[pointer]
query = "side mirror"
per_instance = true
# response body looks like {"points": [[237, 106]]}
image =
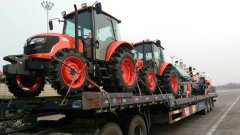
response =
{"points": [[98, 7], [158, 43], [50, 25], [190, 69]]}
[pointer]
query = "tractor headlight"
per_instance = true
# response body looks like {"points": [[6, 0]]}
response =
{"points": [[37, 40]]}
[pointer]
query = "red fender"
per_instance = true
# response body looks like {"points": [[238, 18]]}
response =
{"points": [[113, 46], [162, 67], [139, 64], [208, 83]]}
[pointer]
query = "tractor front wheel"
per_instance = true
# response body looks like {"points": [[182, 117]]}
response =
{"points": [[123, 70], [70, 72], [25, 86]]}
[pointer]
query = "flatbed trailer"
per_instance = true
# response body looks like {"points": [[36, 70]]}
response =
{"points": [[96, 113]]}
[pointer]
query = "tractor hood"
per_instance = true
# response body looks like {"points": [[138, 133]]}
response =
{"points": [[45, 45], [181, 73]]}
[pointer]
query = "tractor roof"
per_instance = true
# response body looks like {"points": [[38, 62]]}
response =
{"points": [[89, 8], [146, 41], [143, 42]]}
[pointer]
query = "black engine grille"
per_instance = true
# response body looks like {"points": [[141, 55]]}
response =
{"points": [[41, 48]]}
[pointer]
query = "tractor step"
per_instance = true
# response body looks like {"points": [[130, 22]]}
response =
{"points": [[106, 77], [102, 68]]}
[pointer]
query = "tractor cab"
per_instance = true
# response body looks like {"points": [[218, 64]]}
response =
{"points": [[149, 57], [97, 30], [150, 53]]}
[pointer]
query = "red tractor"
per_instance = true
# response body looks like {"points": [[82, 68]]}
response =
{"points": [[89, 50], [154, 71], [201, 82], [155, 74]]}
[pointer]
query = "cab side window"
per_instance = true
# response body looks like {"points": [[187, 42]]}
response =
{"points": [[138, 52], [157, 54], [148, 52]]}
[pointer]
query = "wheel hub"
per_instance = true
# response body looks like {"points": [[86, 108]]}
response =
{"points": [[151, 80], [28, 84], [74, 73], [128, 71]]}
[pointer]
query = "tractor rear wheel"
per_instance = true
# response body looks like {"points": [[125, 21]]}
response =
{"points": [[149, 79], [170, 80], [123, 69], [70, 71], [25, 86]]}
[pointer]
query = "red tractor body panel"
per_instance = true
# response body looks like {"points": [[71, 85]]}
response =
{"points": [[162, 67], [139, 64], [64, 42], [113, 46]]}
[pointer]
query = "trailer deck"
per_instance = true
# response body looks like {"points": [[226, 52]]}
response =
{"points": [[97, 102]]}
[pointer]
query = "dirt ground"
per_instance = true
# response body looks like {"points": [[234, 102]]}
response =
{"points": [[48, 91]]}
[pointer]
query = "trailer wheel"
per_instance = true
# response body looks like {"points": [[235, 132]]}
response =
{"points": [[149, 79], [170, 80], [205, 110], [25, 86], [63, 76], [111, 129], [210, 104], [136, 126], [123, 69]]}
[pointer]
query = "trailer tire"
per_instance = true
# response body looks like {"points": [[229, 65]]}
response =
{"points": [[136, 126], [205, 110], [111, 129], [208, 105], [211, 105]]}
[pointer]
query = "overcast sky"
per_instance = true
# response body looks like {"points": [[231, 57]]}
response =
{"points": [[204, 33]]}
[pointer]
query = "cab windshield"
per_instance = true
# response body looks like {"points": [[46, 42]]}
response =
{"points": [[84, 25]]}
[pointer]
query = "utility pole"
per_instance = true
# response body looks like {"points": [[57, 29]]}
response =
{"points": [[47, 6]]}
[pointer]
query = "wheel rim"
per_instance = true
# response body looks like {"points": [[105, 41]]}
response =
{"points": [[137, 131], [174, 82], [128, 71], [69, 75], [28, 84], [151, 80]]}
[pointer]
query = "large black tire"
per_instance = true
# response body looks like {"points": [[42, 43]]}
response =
{"points": [[62, 75], [170, 81], [121, 58], [111, 129], [148, 82], [205, 110], [136, 126], [211, 103], [25, 86]]}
